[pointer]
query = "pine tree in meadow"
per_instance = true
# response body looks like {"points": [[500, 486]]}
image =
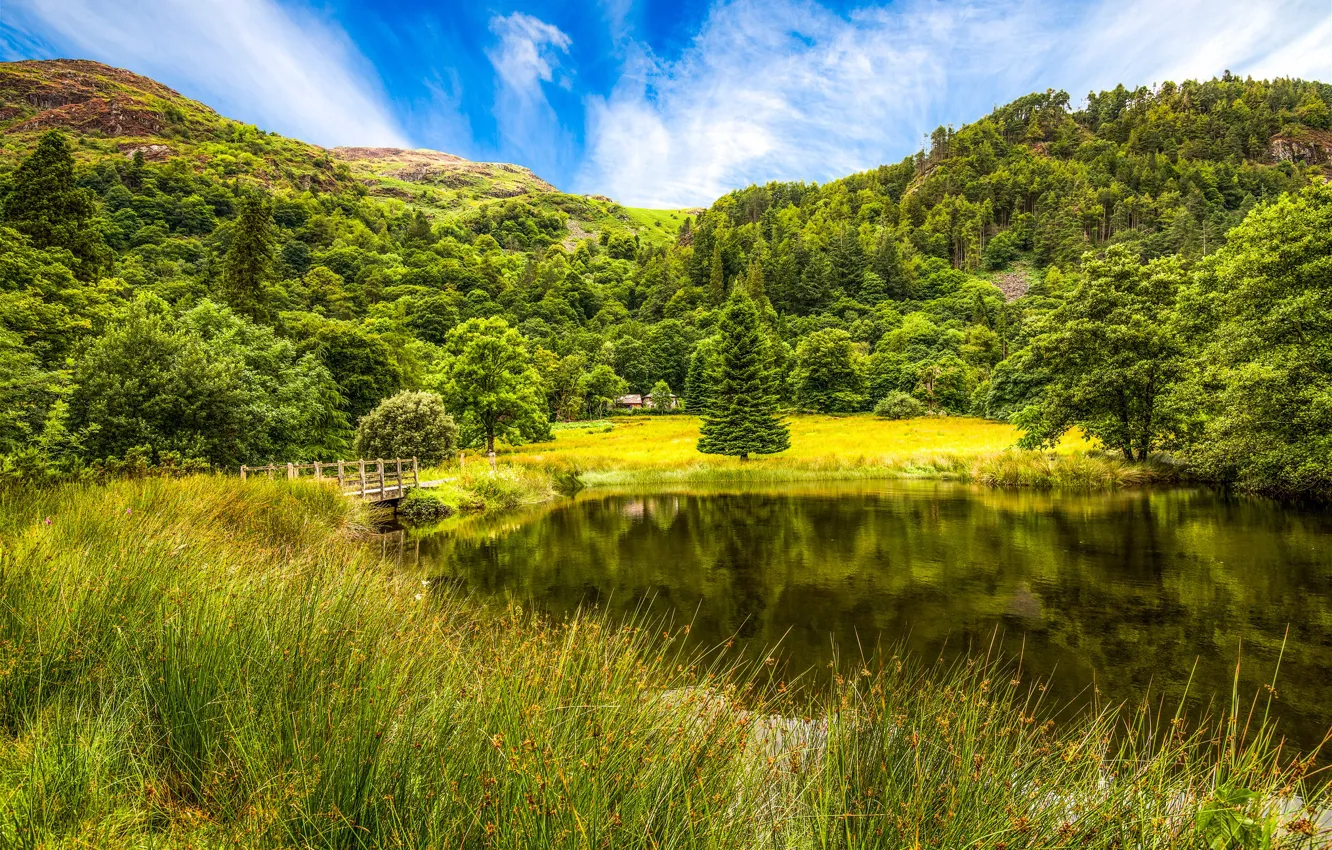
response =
{"points": [[742, 417], [250, 258]]}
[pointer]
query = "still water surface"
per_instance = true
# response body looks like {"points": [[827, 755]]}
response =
{"points": [[1122, 591]]}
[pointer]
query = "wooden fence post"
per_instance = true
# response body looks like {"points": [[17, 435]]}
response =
{"points": [[398, 461], [319, 472], [341, 483], [242, 473], [462, 460], [416, 474], [291, 472], [380, 465], [360, 464]]}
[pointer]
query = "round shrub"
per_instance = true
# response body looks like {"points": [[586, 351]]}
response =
{"points": [[409, 424], [899, 405], [422, 506]]}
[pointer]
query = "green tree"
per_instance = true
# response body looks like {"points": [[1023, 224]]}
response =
{"points": [[26, 393], [249, 258], [898, 405], [1112, 357], [741, 418], [45, 204], [1264, 377], [365, 366], [669, 344], [325, 292], [487, 376], [716, 276], [563, 380], [601, 387], [206, 384], [409, 424], [828, 376], [634, 362], [661, 396], [704, 377]]}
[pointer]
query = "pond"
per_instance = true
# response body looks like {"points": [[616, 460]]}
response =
{"points": [[1126, 594]]}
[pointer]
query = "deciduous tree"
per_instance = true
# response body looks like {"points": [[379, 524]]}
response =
{"points": [[409, 424], [487, 377], [1112, 357]]}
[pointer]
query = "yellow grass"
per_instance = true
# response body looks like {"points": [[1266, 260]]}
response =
{"points": [[637, 450], [665, 442]]}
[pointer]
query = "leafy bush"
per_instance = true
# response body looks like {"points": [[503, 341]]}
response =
{"points": [[422, 506], [409, 424], [898, 405], [1001, 250]]}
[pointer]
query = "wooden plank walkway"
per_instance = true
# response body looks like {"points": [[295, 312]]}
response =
{"points": [[373, 481]]}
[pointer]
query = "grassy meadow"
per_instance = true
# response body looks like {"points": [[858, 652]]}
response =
{"points": [[657, 227], [209, 663], [660, 450]]}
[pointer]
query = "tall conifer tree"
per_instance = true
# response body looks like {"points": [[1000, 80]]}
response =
{"points": [[742, 417], [45, 204], [250, 258], [716, 277]]}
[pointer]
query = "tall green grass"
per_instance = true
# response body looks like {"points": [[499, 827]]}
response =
{"points": [[207, 662], [1009, 469]]}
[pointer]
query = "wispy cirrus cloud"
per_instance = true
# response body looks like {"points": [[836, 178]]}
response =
{"points": [[283, 68], [529, 55], [784, 89]]}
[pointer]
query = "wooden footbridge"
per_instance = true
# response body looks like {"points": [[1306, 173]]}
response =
{"points": [[376, 481]]}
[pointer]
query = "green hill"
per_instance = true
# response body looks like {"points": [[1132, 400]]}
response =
{"points": [[943, 277]]}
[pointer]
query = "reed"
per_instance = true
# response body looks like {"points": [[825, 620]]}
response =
{"points": [[205, 662]]}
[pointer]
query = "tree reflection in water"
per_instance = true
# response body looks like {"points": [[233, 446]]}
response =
{"points": [[1124, 590]]}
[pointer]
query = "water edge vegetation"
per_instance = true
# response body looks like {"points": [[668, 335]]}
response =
{"points": [[198, 661]]}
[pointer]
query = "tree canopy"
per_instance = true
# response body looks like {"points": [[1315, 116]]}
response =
{"points": [[1048, 264], [486, 375]]}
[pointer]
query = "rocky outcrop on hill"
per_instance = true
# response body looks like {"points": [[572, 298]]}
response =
{"points": [[427, 166], [89, 97], [1307, 145], [444, 170]]}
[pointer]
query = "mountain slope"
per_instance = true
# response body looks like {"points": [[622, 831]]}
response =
{"points": [[111, 111], [400, 173], [114, 111]]}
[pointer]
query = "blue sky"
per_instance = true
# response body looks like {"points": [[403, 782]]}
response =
{"points": [[660, 102]]}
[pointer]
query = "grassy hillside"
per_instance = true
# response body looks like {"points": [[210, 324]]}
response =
{"points": [[947, 282], [112, 112]]}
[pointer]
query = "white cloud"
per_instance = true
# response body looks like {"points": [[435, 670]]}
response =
{"points": [[528, 51], [253, 60], [528, 55], [785, 89], [1147, 41]]}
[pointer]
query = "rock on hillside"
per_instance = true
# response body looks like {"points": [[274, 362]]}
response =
{"points": [[384, 170], [88, 97], [113, 112]]}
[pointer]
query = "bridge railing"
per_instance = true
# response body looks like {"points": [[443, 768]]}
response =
{"points": [[376, 480]]}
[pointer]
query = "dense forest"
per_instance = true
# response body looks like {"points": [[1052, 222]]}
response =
{"points": [[1154, 267]]}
